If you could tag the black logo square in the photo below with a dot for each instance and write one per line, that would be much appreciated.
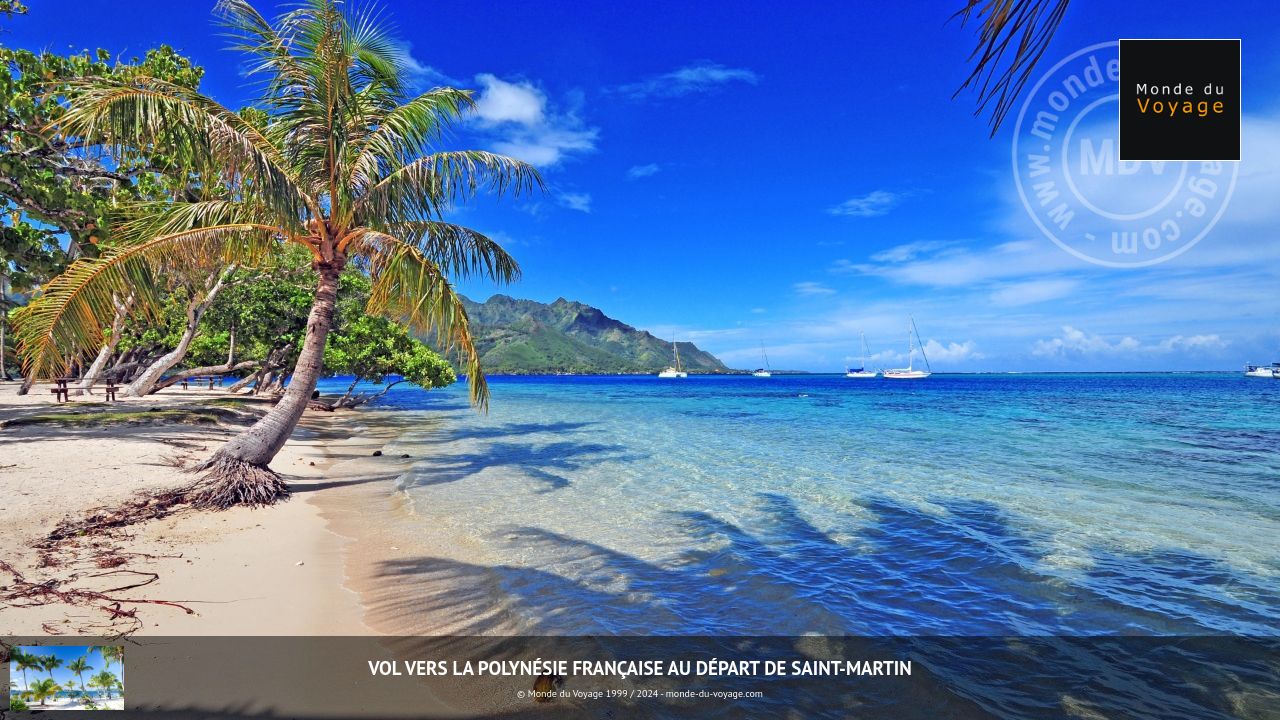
(1180, 100)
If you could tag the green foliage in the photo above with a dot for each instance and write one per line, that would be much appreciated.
(16, 704)
(49, 177)
(41, 690)
(105, 680)
(369, 347)
(338, 158)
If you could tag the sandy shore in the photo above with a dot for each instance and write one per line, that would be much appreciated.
(315, 566)
(242, 571)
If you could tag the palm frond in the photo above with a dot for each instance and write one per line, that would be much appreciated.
(1013, 37)
(458, 251)
(427, 186)
(145, 113)
(66, 320)
(406, 132)
(409, 288)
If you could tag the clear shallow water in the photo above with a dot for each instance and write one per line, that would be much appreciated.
(959, 505)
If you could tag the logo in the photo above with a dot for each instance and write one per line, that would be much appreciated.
(1082, 196)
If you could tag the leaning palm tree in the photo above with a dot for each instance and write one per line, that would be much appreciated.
(42, 690)
(80, 666)
(335, 157)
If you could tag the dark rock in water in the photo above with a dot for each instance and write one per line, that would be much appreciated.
(405, 455)
(377, 453)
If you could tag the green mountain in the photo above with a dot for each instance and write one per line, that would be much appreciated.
(523, 337)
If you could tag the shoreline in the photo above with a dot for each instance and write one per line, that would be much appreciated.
(242, 571)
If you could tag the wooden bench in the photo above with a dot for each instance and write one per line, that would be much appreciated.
(60, 389)
(110, 390)
(201, 380)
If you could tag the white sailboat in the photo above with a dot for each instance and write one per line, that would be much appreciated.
(676, 371)
(861, 371)
(765, 371)
(1263, 371)
(909, 372)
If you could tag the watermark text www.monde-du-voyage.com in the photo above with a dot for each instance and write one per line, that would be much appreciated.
(1130, 164)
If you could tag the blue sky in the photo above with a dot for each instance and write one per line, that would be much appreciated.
(747, 171)
(62, 676)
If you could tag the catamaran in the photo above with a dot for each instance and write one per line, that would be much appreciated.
(861, 371)
(676, 371)
(765, 371)
(1263, 371)
(909, 372)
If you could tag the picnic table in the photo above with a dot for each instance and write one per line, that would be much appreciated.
(201, 380)
(63, 393)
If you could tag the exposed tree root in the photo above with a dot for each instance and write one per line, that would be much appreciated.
(229, 482)
(139, 508)
(89, 548)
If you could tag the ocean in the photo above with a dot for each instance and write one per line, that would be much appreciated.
(958, 505)
(979, 506)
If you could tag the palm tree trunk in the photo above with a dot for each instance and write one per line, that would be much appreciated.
(237, 472)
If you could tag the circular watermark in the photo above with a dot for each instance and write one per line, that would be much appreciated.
(1082, 196)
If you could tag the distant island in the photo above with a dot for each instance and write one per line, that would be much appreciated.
(524, 337)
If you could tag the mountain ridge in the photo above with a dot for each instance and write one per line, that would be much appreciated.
(525, 337)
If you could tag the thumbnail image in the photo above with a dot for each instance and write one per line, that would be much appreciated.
(66, 677)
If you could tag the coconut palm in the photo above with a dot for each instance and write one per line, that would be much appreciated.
(80, 666)
(24, 661)
(49, 663)
(336, 157)
(105, 680)
(42, 690)
(110, 654)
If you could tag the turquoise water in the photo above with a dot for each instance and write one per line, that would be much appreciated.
(972, 505)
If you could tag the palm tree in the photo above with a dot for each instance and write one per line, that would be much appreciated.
(49, 663)
(80, 666)
(42, 690)
(110, 654)
(336, 157)
(105, 680)
(24, 661)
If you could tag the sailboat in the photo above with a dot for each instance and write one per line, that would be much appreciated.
(909, 372)
(676, 371)
(766, 370)
(1262, 371)
(861, 371)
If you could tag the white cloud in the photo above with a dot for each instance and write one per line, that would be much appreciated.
(810, 288)
(424, 75)
(643, 171)
(575, 201)
(873, 204)
(952, 352)
(696, 77)
(1078, 342)
(517, 117)
(910, 251)
(501, 101)
(758, 311)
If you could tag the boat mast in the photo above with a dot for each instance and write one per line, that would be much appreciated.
(911, 349)
(863, 337)
(676, 348)
(921, 344)
(764, 356)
